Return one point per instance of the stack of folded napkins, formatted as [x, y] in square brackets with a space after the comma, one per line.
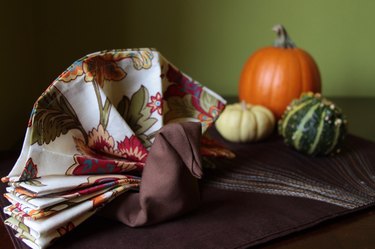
[44, 209]
[89, 135]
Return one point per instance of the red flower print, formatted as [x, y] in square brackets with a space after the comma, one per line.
[182, 85]
[132, 149]
[156, 103]
[87, 165]
[98, 154]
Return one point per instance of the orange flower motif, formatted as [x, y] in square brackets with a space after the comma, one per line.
[99, 142]
[102, 68]
[207, 118]
[72, 72]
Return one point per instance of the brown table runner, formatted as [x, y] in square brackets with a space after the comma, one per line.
[267, 192]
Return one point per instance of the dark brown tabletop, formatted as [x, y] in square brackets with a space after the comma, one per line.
[352, 231]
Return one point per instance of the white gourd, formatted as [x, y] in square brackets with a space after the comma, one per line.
[243, 122]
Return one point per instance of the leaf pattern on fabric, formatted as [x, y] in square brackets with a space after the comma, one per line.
[34, 182]
[206, 100]
[30, 171]
[137, 114]
[142, 59]
[22, 230]
[205, 105]
[104, 110]
[53, 116]
[180, 107]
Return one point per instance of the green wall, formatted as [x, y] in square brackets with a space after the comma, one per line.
[209, 40]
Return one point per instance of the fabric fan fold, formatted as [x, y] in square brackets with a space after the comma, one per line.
[115, 122]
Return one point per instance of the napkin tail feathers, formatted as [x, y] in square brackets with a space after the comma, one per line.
[169, 184]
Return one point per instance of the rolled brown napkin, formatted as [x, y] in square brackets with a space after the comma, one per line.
[169, 184]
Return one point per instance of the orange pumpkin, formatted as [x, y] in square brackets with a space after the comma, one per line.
[274, 76]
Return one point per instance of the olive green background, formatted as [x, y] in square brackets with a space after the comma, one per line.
[209, 40]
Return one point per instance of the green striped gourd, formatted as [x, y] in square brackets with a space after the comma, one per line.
[313, 125]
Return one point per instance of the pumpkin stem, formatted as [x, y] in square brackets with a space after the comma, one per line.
[282, 40]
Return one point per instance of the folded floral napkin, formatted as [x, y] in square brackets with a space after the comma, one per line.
[109, 117]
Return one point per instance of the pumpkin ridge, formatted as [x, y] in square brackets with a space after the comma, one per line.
[301, 71]
[311, 130]
[245, 90]
[318, 133]
[291, 126]
[257, 122]
[290, 113]
[271, 98]
[241, 119]
[260, 80]
[298, 133]
[258, 116]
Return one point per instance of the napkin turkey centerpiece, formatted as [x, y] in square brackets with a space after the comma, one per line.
[90, 134]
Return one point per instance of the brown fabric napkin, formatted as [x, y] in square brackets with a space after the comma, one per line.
[169, 186]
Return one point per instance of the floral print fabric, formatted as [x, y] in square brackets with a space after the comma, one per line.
[89, 134]
[102, 113]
